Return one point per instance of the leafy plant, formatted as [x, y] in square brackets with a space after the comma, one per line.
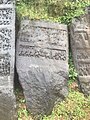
[72, 108]
[72, 70]
[74, 9]
[62, 11]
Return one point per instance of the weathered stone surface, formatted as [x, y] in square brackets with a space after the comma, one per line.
[80, 44]
[7, 104]
[42, 64]
[7, 56]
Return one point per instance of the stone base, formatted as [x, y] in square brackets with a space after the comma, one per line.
[7, 105]
[84, 84]
[43, 89]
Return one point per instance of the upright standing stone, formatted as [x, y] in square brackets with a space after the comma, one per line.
[42, 64]
[80, 44]
[7, 56]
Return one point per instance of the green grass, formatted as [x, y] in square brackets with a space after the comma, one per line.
[63, 11]
[75, 107]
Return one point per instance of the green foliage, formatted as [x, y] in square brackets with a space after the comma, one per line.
[74, 9]
[24, 112]
[53, 10]
[72, 71]
[72, 108]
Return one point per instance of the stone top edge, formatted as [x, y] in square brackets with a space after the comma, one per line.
[4, 2]
[85, 76]
[6, 6]
[43, 24]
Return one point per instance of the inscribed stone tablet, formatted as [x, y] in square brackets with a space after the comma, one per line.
[80, 43]
[7, 56]
[42, 64]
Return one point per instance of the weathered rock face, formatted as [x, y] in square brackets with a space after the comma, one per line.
[80, 44]
[42, 64]
[7, 55]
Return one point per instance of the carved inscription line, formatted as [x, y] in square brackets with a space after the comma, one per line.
[83, 54]
[6, 16]
[44, 37]
[84, 68]
[29, 46]
[44, 29]
[29, 51]
[81, 39]
[4, 64]
[5, 38]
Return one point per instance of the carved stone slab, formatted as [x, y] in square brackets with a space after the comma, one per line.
[7, 56]
[80, 44]
[42, 64]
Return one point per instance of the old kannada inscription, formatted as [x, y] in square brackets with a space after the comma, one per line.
[5, 47]
[31, 51]
[6, 16]
[5, 64]
[42, 64]
[7, 56]
[5, 39]
[80, 43]
[43, 42]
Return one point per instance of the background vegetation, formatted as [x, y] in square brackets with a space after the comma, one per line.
[76, 106]
[53, 10]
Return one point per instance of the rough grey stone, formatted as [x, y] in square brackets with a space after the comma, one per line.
[7, 104]
[42, 64]
[7, 56]
[80, 44]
